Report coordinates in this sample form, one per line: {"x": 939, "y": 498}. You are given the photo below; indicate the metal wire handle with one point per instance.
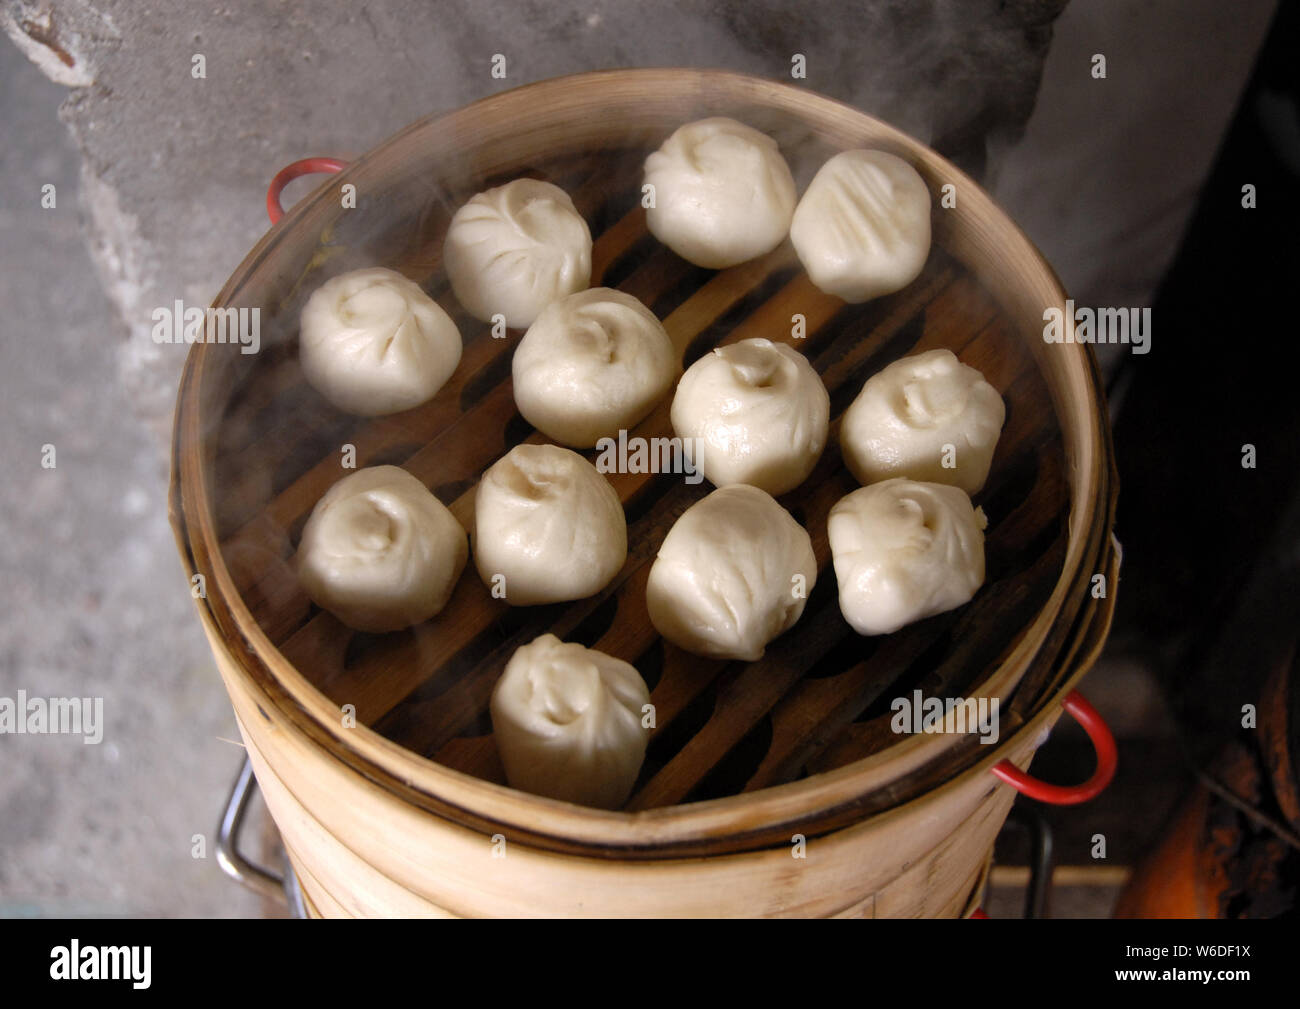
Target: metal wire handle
{"x": 280, "y": 887}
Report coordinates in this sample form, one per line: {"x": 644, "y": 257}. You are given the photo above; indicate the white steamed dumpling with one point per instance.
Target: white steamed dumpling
{"x": 567, "y": 722}
{"x": 548, "y": 527}
{"x": 904, "y": 550}
{"x": 372, "y": 342}
{"x": 723, "y": 194}
{"x": 862, "y": 229}
{"x": 591, "y": 364}
{"x": 734, "y": 571}
{"x": 927, "y": 417}
{"x": 380, "y": 552}
{"x": 760, "y": 412}
{"x": 514, "y": 249}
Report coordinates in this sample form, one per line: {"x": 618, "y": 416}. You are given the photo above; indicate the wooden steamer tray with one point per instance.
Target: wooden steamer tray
{"x": 395, "y": 815}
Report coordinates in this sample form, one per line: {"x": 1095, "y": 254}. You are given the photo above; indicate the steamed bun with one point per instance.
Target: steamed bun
{"x": 862, "y": 229}
{"x": 380, "y": 552}
{"x": 927, "y": 417}
{"x": 515, "y": 249}
{"x": 372, "y": 342}
{"x": 733, "y": 572}
{"x": 723, "y": 193}
{"x": 760, "y": 412}
{"x": 567, "y": 721}
{"x": 905, "y": 550}
{"x": 593, "y": 363}
{"x": 547, "y": 526}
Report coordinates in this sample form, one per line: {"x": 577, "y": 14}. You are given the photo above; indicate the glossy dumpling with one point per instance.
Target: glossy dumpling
{"x": 547, "y": 527}
{"x": 372, "y": 342}
{"x": 757, "y": 413}
{"x": 723, "y": 194}
{"x": 592, "y": 363}
{"x": 862, "y": 229}
{"x": 927, "y": 417}
{"x": 904, "y": 550}
{"x": 734, "y": 571}
{"x": 515, "y": 249}
{"x": 380, "y": 552}
{"x": 568, "y": 723}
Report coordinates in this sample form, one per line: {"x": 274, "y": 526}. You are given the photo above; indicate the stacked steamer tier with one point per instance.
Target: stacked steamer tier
{"x": 406, "y": 812}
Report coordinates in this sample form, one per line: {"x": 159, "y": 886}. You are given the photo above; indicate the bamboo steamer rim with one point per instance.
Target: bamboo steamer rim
{"x": 455, "y": 794}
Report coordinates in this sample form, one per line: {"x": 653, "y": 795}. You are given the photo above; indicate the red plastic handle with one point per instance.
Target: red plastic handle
{"x": 307, "y": 166}
{"x": 1069, "y": 795}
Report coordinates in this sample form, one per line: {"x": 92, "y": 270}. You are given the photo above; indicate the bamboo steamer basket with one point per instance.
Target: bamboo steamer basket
{"x": 774, "y": 788}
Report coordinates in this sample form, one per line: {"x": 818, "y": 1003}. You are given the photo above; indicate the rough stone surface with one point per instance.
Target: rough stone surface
{"x": 92, "y": 598}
